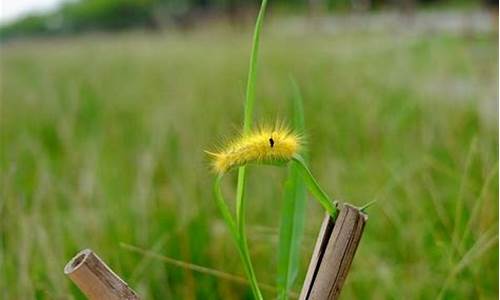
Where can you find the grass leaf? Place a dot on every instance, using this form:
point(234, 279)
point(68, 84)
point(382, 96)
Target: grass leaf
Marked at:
point(224, 209)
point(252, 70)
point(247, 125)
point(293, 211)
point(239, 237)
point(314, 186)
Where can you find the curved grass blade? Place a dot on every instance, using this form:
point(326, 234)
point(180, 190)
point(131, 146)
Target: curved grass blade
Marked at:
point(314, 186)
point(224, 209)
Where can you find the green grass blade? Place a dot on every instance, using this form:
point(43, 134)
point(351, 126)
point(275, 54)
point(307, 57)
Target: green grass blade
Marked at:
point(237, 237)
point(293, 211)
point(247, 125)
point(252, 70)
point(367, 205)
point(314, 186)
point(249, 107)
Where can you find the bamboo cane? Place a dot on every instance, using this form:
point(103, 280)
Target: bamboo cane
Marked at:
point(333, 254)
point(95, 279)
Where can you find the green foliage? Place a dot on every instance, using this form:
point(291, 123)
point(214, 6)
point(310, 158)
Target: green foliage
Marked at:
point(111, 15)
point(27, 26)
point(85, 15)
point(106, 14)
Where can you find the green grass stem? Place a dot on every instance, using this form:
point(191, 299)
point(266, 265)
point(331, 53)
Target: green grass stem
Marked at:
point(247, 125)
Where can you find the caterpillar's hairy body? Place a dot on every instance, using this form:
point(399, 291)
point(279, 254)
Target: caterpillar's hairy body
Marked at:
point(264, 145)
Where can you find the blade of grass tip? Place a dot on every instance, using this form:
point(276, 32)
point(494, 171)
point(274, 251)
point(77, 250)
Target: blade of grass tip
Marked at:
point(249, 105)
point(247, 125)
point(367, 205)
point(293, 211)
point(314, 187)
point(252, 70)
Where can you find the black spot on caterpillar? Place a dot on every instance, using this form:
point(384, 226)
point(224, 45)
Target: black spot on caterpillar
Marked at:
point(271, 141)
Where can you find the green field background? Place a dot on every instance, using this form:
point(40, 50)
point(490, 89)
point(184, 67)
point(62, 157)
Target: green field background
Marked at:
point(103, 138)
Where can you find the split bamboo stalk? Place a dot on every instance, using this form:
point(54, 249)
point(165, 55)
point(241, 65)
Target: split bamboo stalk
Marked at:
point(95, 279)
point(333, 254)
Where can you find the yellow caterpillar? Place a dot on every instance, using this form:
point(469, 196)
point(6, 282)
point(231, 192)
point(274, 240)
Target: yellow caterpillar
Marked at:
point(263, 145)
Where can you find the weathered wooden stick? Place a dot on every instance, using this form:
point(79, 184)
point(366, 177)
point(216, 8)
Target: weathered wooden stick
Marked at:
point(333, 254)
point(95, 279)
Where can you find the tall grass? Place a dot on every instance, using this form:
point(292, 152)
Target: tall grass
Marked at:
point(239, 229)
point(101, 139)
point(281, 145)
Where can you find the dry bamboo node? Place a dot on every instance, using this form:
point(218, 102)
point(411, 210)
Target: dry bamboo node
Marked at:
point(333, 254)
point(95, 279)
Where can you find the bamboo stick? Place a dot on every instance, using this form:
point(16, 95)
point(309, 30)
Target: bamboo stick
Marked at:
point(95, 279)
point(333, 254)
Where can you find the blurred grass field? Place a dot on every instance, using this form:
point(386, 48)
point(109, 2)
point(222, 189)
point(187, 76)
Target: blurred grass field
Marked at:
point(103, 139)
